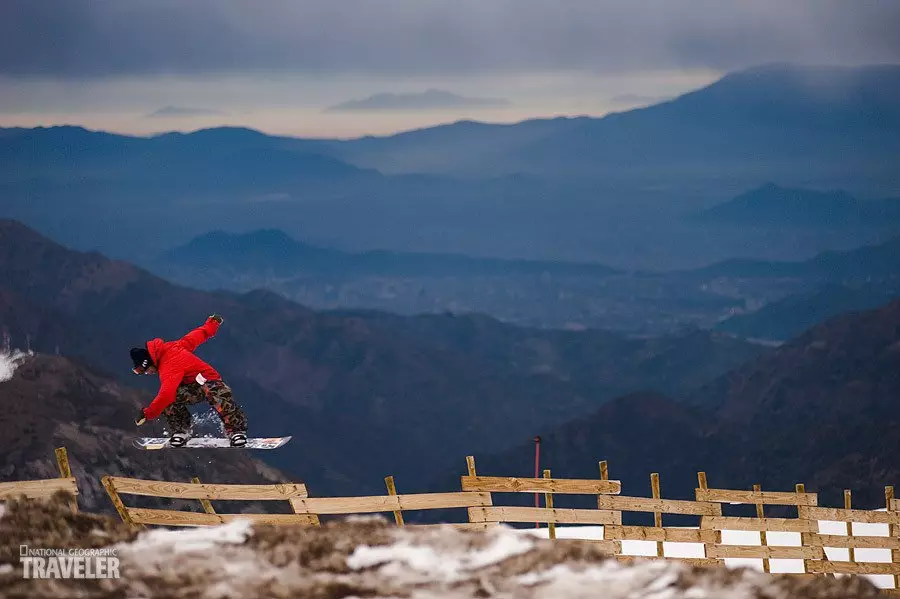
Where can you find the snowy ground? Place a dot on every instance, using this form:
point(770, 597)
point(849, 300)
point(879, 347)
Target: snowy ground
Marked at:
point(380, 560)
point(9, 361)
point(734, 537)
point(368, 558)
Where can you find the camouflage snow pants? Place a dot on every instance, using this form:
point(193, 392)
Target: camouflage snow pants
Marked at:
point(219, 396)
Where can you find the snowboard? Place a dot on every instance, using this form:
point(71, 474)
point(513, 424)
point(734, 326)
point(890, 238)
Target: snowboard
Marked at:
point(211, 443)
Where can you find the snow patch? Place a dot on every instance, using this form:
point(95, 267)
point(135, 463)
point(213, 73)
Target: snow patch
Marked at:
point(439, 563)
point(9, 361)
point(160, 542)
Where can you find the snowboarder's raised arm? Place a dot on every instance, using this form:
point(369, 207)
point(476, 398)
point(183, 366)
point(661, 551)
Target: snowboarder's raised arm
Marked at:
point(199, 335)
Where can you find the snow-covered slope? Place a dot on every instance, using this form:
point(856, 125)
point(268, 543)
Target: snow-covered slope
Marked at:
point(9, 361)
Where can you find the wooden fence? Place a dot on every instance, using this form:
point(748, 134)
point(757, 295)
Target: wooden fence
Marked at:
point(205, 493)
point(44, 488)
point(823, 535)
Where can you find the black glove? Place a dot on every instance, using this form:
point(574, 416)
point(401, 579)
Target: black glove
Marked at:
point(217, 318)
point(140, 418)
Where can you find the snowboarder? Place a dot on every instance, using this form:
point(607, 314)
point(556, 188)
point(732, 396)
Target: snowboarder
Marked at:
point(185, 380)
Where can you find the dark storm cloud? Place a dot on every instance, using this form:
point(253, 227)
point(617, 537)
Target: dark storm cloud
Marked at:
point(98, 38)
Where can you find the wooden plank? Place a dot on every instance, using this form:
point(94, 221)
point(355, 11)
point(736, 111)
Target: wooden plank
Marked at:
point(499, 484)
point(842, 515)
point(661, 534)
point(755, 497)
point(38, 489)
point(542, 514)
point(178, 518)
point(389, 503)
point(758, 524)
point(667, 506)
point(851, 542)
point(178, 490)
point(764, 552)
point(458, 525)
point(607, 545)
point(694, 561)
point(834, 567)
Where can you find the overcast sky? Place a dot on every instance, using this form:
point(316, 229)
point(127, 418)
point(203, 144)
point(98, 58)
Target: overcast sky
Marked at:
point(278, 65)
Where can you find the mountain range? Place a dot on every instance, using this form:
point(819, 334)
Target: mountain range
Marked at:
point(788, 296)
point(577, 189)
point(370, 393)
point(775, 206)
point(364, 394)
point(273, 251)
point(820, 410)
point(772, 118)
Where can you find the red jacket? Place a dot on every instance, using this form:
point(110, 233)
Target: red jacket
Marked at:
point(176, 365)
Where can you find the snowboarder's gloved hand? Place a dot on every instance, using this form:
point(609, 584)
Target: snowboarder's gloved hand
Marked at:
point(217, 318)
point(140, 418)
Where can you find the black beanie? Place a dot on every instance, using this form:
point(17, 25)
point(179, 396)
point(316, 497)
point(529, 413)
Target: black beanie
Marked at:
point(141, 357)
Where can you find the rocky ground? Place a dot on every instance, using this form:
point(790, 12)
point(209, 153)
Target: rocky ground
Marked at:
point(364, 558)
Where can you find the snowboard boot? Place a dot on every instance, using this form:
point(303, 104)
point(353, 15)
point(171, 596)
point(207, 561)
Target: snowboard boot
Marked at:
point(238, 439)
point(179, 439)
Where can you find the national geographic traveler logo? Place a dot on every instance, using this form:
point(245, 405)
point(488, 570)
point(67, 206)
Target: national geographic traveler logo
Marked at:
point(68, 563)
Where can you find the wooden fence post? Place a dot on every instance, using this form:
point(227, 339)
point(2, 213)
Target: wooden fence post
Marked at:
point(892, 531)
point(760, 513)
point(207, 505)
point(717, 534)
point(392, 490)
point(62, 461)
point(657, 516)
point(117, 501)
point(548, 500)
point(848, 503)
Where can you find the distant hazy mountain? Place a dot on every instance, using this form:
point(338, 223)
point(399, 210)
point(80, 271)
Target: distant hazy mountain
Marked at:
point(835, 282)
point(860, 264)
point(222, 159)
point(773, 119)
point(773, 205)
point(787, 318)
point(272, 250)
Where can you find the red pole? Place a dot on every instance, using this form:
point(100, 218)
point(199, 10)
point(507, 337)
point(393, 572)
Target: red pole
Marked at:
point(537, 470)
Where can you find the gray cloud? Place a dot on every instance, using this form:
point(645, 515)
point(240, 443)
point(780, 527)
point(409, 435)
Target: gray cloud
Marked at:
point(638, 99)
point(181, 111)
point(431, 99)
point(103, 38)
